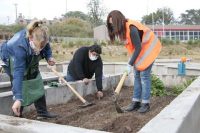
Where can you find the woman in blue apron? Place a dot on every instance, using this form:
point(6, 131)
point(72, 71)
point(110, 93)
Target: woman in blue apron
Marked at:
point(21, 55)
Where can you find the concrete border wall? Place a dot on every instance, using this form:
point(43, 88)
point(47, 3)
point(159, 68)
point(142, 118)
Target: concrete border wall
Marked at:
point(61, 94)
point(180, 116)
point(160, 68)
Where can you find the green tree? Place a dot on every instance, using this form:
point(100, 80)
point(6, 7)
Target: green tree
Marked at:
point(157, 17)
point(190, 17)
point(96, 12)
point(148, 19)
point(76, 14)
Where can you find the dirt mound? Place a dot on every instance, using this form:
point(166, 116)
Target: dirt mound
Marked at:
point(102, 115)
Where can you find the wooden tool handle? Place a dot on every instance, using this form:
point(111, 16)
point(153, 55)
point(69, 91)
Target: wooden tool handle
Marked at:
point(72, 89)
point(119, 86)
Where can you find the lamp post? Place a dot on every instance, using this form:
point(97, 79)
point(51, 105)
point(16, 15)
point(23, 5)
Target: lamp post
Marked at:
point(66, 9)
point(152, 21)
point(8, 19)
point(15, 11)
point(163, 23)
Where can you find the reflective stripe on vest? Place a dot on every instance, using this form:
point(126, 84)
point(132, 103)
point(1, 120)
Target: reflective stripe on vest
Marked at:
point(146, 37)
point(152, 45)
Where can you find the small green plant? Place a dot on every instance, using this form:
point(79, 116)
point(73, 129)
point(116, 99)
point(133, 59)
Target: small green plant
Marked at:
point(167, 41)
point(64, 45)
point(190, 42)
point(171, 42)
point(176, 90)
point(177, 41)
point(71, 44)
point(157, 86)
point(104, 43)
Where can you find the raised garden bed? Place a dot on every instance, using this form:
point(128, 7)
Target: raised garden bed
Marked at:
point(102, 115)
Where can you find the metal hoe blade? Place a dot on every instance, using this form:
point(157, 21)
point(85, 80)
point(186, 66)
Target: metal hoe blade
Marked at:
point(86, 104)
point(117, 107)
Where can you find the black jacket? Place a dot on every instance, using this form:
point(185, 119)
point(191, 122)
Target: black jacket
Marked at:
point(81, 67)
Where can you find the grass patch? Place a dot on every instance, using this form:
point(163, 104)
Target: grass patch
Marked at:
point(176, 90)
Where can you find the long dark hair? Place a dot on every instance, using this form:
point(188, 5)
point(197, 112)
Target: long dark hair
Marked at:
point(118, 26)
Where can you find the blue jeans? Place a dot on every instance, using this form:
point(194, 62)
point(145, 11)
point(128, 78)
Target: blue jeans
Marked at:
point(1, 51)
point(142, 85)
point(4, 60)
point(69, 78)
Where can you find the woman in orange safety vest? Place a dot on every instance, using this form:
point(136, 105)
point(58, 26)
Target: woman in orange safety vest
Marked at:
point(143, 47)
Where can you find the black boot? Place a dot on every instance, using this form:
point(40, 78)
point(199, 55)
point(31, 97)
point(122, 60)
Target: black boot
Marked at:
point(133, 106)
point(144, 108)
point(41, 108)
point(21, 110)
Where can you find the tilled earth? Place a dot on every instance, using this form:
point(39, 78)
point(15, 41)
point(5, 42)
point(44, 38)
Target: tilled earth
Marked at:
point(102, 115)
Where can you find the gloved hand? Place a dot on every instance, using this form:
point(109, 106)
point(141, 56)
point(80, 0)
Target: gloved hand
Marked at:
point(128, 69)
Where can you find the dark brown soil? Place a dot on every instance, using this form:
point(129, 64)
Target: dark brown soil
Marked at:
point(102, 115)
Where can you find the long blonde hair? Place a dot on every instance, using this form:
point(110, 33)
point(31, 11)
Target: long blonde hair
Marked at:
point(37, 30)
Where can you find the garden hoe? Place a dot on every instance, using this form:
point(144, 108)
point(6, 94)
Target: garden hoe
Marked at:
point(85, 103)
point(116, 93)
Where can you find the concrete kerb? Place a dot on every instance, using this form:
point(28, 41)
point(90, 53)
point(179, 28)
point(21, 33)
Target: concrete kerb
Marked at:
point(180, 116)
point(9, 124)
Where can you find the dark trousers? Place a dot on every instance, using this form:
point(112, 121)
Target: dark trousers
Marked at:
point(69, 77)
point(40, 106)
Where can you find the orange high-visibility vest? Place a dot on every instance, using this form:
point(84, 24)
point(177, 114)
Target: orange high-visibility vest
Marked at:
point(150, 45)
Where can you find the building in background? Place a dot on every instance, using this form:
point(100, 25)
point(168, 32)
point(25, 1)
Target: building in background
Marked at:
point(171, 32)
point(100, 33)
point(177, 32)
point(21, 20)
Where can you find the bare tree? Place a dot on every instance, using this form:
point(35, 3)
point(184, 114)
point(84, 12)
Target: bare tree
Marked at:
point(96, 12)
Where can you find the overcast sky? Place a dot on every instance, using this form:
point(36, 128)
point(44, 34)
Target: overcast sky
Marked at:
point(49, 9)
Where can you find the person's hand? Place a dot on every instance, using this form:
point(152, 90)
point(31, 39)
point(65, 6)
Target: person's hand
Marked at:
point(86, 81)
point(16, 107)
point(60, 80)
point(128, 69)
point(99, 94)
point(51, 61)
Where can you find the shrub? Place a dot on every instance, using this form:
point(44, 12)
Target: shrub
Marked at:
point(157, 86)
